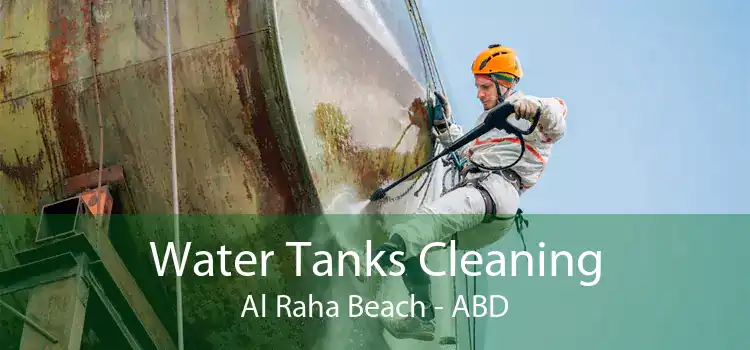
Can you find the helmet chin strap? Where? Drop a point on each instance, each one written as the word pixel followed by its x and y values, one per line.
pixel 501 97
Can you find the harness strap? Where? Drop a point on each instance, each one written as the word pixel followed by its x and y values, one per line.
pixel 489 204
pixel 491 208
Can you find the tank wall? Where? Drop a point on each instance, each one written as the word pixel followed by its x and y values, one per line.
pixel 356 81
pixel 314 127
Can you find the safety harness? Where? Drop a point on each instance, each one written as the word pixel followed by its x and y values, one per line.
pixel 490 214
pixel 437 112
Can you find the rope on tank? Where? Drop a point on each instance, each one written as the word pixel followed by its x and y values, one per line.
pixel 434 82
pixel 175 197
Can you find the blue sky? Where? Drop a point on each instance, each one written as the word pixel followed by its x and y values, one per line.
pixel 657 93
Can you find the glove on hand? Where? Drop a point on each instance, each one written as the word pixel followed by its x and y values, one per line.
pixel 526 107
pixel 446 110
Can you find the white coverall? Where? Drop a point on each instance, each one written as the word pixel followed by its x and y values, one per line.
pixel 494 149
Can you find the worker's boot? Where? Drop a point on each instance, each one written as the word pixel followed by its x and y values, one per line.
pixel 420 325
pixel 411 328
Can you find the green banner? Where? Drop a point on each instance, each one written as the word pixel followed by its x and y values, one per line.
pixel 584 281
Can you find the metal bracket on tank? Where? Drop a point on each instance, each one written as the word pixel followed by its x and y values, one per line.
pixel 74 273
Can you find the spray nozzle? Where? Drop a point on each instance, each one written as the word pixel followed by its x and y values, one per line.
pixel 378 194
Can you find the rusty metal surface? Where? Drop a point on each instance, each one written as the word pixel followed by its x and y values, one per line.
pixel 259 130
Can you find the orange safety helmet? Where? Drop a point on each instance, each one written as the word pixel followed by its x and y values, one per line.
pixel 498 59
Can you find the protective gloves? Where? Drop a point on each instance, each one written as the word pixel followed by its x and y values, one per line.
pixel 442 113
pixel 526 107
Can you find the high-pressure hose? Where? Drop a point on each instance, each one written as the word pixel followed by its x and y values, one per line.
pixel 519 134
pixel 497 118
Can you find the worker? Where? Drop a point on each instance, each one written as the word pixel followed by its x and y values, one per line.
pixel 482 196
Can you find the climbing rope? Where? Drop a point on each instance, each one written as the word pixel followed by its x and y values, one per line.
pixel 425 44
pixel 175 197
pixel 98 198
pixel 473 336
pixel 432 76
pixel 432 80
pixel 411 187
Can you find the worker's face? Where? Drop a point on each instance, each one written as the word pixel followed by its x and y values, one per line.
pixel 486 92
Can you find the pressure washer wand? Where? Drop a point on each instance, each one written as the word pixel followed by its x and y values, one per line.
pixel 497 118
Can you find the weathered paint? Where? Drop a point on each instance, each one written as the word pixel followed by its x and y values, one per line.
pixel 264 125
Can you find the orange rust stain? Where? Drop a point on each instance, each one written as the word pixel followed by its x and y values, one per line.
pixel 282 180
pixel 93 35
pixel 45 131
pixel 230 12
pixel 62 31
